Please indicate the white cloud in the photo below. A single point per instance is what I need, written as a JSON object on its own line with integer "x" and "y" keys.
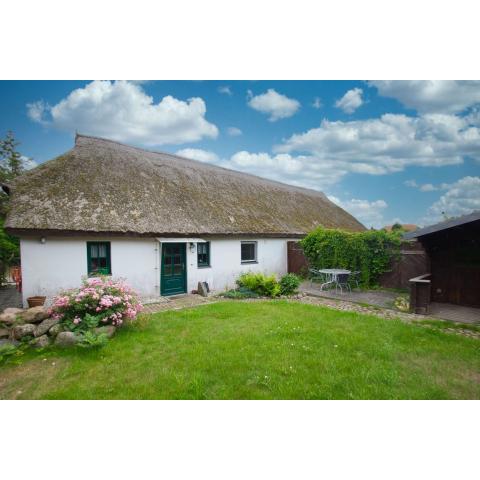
{"x": 389, "y": 143}
{"x": 371, "y": 214}
{"x": 28, "y": 163}
{"x": 461, "y": 198}
{"x": 426, "y": 187}
{"x": 317, "y": 103}
{"x": 234, "y": 131}
{"x": 351, "y": 100}
{"x": 226, "y": 90}
{"x": 302, "y": 171}
{"x": 123, "y": 111}
{"x": 274, "y": 104}
{"x": 205, "y": 156}
{"x": 36, "y": 111}
{"x": 429, "y": 96}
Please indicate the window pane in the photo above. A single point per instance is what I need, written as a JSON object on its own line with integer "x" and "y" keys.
{"x": 203, "y": 254}
{"x": 94, "y": 251}
{"x": 248, "y": 252}
{"x": 102, "y": 250}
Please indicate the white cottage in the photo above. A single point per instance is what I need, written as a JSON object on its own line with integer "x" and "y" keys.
{"x": 160, "y": 221}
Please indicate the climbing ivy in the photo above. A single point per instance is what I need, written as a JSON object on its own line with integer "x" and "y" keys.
{"x": 370, "y": 252}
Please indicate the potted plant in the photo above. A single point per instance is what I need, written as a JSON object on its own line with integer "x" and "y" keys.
{"x": 36, "y": 301}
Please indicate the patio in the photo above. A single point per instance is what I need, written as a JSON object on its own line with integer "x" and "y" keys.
{"x": 379, "y": 298}
{"x": 385, "y": 299}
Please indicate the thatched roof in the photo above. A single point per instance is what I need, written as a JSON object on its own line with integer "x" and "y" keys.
{"x": 103, "y": 186}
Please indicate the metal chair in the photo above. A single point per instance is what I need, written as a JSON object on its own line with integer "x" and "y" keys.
{"x": 315, "y": 275}
{"x": 341, "y": 282}
{"x": 355, "y": 278}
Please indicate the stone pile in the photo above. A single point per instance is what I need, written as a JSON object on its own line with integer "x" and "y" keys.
{"x": 36, "y": 325}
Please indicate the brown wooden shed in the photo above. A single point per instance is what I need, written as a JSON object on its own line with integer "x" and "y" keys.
{"x": 453, "y": 248}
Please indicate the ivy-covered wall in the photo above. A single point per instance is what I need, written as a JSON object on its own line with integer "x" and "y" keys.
{"x": 369, "y": 252}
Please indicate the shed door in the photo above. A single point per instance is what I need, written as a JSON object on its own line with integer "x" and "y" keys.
{"x": 173, "y": 273}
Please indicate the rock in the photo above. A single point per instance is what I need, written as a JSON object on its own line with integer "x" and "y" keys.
{"x": 4, "y": 332}
{"x": 10, "y": 318}
{"x": 13, "y": 310}
{"x": 45, "y": 326}
{"x": 34, "y": 314}
{"x": 20, "y": 331}
{"x": 66, "y": 339}
{"x": 55, "y": 330}
{"x": 109, "y": 330}
{"x": 203, "y": 289}
{"x": 4, "y": 342}
{"x": 40, "y": 342}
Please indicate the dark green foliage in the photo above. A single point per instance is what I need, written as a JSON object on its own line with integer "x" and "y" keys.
{"x": 289, "y": 284}
{"x": 369, "y": 252}
{"x": 9, "y": 250}
{"x": 264, "y": 285}
{"x": 240, "y": 293}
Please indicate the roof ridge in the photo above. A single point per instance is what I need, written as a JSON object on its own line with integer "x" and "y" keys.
{"x": 283, "y": 184}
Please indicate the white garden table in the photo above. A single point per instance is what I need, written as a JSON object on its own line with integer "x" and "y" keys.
{"x": 331, "y": 274}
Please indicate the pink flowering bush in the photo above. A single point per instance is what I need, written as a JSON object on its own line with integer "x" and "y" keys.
{"x": 99, "y": 301}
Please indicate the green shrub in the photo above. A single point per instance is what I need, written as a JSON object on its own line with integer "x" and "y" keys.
{"x": 369, "y": 252}
{"x": 92, "y": 340}
{"x": 289, "y": 284}
{"x": 266, "y": 286}
{"x": 239, "y": 293}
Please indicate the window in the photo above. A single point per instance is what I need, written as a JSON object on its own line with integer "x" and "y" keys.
{"x": 249, "y": 252}
{"x": 203, "y": 254}
{"x": 98, "y": 258}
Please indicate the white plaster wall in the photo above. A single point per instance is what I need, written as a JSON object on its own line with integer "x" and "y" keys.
{"x": 226, "y": 266}
{"x": 61, "y": 262}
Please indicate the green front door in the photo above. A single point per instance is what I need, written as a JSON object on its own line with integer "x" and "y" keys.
{"x": 173, "y": 278}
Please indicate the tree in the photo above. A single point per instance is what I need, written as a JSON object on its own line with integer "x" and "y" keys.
{"x": 397, "y": 227}
{"x": 11, "y": 162}
{"x": 11, "y": 166}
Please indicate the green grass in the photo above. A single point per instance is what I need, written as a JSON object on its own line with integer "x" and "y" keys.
{"x": 257, "y": 350}
{"x": 444, "y": 324}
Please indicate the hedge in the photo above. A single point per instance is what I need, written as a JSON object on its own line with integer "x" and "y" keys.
{"x": 370, "y": 252}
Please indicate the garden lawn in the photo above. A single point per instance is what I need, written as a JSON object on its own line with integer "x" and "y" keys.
{"x": 256, "y": 350}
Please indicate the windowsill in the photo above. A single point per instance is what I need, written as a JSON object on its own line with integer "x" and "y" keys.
{"x": 249, "y": 261}
{"x": 204, "y": 266}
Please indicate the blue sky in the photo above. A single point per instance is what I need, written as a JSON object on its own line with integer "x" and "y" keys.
{"x": 385, "y": 151}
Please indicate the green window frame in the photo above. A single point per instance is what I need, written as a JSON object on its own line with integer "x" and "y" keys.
{"x": 248, "y": 253}
{"x": 203, "y": 254}
{"x": 98, "y": 258}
